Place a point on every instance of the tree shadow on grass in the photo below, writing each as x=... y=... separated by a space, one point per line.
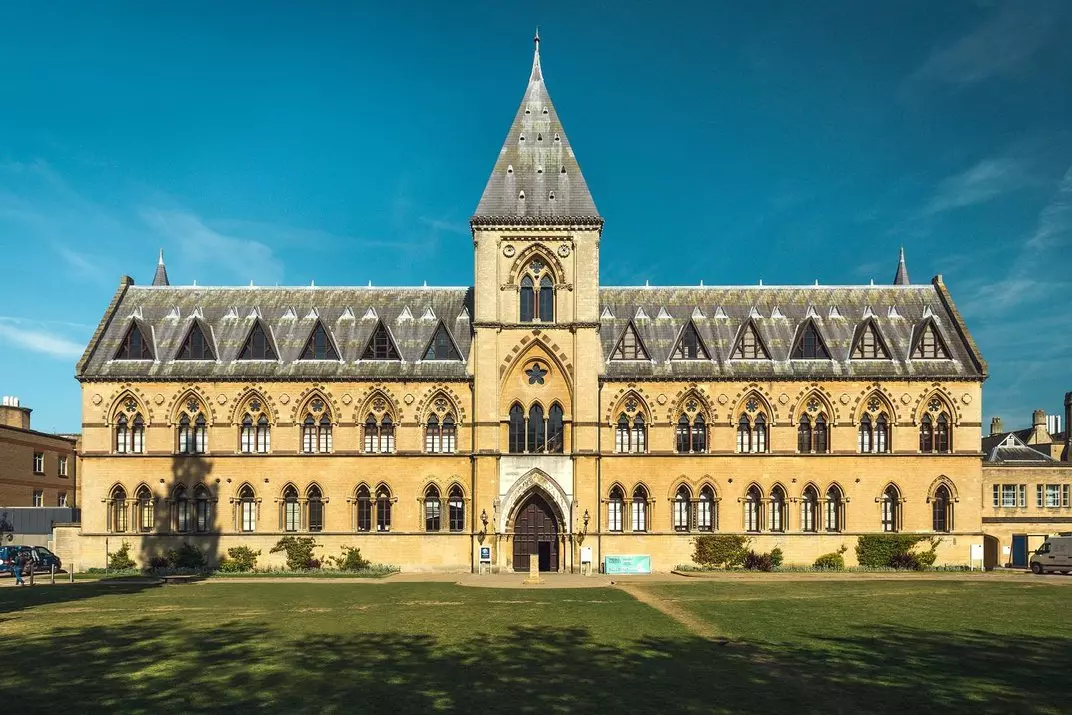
x=19 y=598
x=163 y=665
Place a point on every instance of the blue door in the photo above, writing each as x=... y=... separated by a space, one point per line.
x=1019 y=551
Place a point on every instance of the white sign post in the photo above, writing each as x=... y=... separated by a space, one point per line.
x=586 y=560
x=976 y=555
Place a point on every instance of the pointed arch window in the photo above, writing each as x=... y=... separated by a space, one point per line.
x=537 y=293
x=810 y=345
x=690 y=346
x=705 y=510
x=517 y=429
x=257 y=345
x=433 y=435
x=820 y=435
x=118 y=510
x=380 y=346
x=192 y=434
x=536 y=429
x=615 y=507
x=195 y=346
x=942 y=510
x=752 y=434
x=682 y=508
x=314 y=508
x=753 y=509
x=809 y=510
x=555 y=436
x=778 y=512
x=134 y=345
x=247 y=509
x=316 y=434
x=363 y=504
x=684 y=434
x=834 y=518
x=804 y=435
x=146 y=506
x=432 y=509
x=891 y=509
x=865 y=435
x=181 y=504
x=456 y=508
x=691 y=436
x=202 y=510
x=137 y=435
x=630 y=347
x=527 y=300
x=640 y=509
x=882 y=434
x=941 y=434
x=291 y=510
x=383 y=509
x=926 y=434
x=379 y=435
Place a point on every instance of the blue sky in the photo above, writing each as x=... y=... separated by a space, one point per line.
x=343 y=143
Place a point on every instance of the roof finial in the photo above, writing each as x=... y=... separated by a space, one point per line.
x=161 y=279
x=901 y=277
x=537 y=74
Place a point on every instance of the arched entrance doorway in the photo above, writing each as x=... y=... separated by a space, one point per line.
x=535 y=534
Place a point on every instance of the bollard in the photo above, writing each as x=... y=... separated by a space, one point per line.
x=31 y=574
x=52 y=574
x=70 y=573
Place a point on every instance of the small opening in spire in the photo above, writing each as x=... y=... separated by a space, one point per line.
x=539 y=169
x=522 y=138
x=557 y=138
x=510 y=169
x=545 y=110
x=563 y=170
x=551 y=196
x=521 y=195
x=539 y=137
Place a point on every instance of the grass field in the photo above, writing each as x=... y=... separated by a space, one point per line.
x=847 y=646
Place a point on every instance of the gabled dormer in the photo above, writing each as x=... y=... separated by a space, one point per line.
x=442 y=345
x=196 y=345
x=258 y=345
x=809 y=344
x=929 y=343
x=749 y=345
x=690 y=346
x=630 y=346
x=319 y=345
x=869 y=343
x=135 y=345
x=381 y=346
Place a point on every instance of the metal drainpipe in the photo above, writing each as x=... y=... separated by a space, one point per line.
x=599 y=483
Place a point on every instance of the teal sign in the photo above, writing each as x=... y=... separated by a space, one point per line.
x=627 y=564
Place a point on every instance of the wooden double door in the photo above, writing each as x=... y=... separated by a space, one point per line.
x=535 y=535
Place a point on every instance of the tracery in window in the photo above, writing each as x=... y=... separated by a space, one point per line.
x=691 y=434
x=129 y=430
x=192 y=429
x=752 y=433
x=379 y=434
x=536 y=299
x=682 y=508
x=809 y=509
x=631 y=434
x=255 y=430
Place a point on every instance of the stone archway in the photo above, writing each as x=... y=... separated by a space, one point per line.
x=537 y=534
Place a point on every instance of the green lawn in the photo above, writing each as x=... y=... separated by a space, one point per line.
x=875 y=646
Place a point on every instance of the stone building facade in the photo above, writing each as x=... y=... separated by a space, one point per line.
x=36 y=468
x=1027 y=485
x=536 y=414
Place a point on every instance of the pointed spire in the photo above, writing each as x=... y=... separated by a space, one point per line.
x=901 y=279
x=161 y=279
x=536 y=175
x=537 y=73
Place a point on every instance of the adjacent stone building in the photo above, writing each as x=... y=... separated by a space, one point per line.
x=1027 y=485
x=537 y=413
x=36 y=468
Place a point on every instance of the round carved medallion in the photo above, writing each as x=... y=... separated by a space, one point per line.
x=966 y=399
x=783 y=398
x=221 y=398
x=284 y=398
x=97 y=399
x=722 y=399
x=159 y=399
x=906 y=398
x=845 y=398
x=661 y=399
x=346 y=399
x=509 y=251
x=408 y=399
x=563 y=250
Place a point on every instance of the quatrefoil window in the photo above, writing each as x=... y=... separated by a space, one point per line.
x=873 y=404
x=131 y=406
x=691 y=405
x=537 y=266
x=813 y=405
x=378 y=405
x=255 y=405
x=752 y=405
x=192 y=405
x=317 y=405
x=441 y=405
x=935 y=405
x=630 y=405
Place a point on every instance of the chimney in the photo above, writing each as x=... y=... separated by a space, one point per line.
x=12 y=414
x=1039 y=435
x=995 y=426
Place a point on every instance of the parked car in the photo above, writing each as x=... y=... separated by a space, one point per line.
x=1055 y=554
x=42 y=558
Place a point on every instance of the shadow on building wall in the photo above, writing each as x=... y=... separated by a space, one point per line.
x=180 y=490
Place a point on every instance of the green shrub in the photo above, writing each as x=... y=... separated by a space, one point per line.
x=758 y=562
x=906 y=561
x=239 y=560
x=879 y=550
x=928 y=557
x=120 y=560
x=186 y=556
x=299 y=551
x=776 y=557
x=713 y=550
x=351 y=560
x=830 y=562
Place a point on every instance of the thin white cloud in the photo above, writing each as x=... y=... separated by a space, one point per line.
x=1055 y=222
x=437 y=224
x=242 y=258
x=1003 y=42
x=986 y=180
x=77 y=261
x=20 y=334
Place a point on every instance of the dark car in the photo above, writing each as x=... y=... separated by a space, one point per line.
x=41 y=558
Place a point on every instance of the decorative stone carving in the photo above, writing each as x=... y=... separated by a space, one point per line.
x=509 y=251
x=722 y=399
x=159 y=399
x=906 y=398
x=97 y=399
x=284 y=398
x=564 y=250
x=966 y=399
x=845 y=399
x=661 y=399
x=347 y=399
x=783 y=398
x=408 y=399
x=221 y=398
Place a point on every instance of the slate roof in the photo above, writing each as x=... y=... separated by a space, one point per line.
x=537 y=162
x=1010 y=448
x=839 y=313
x=165 y=315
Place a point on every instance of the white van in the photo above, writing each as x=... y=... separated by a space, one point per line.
x=1055 y=554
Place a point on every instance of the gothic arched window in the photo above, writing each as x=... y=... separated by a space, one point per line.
x=146 y=509
x=614 y=509
x=555 y=434
x=777 y=509
x=820 y=435
x=182 y=509
x=202 y=510
x=291 y=510
x=456 y=507
x=809 y=510
x=379 y=436
x=640 y=509
x=383 y=509
x=835 y=504
x=314 y=509
x=941 y=435
x=882 y=434
x=517 y=429
x=364 y=509
x=699 y=435
x=682 y=504
x=865 y=435
x=942 y=507
x=247 y=507
x=705 y=510
x=537 y=429
x=528 y=300
x=684 y=431
x=891 y=509
x=547 y=300
x=753 y=509
x=804 y=435
x=432 y=509
x=926 y=434
x=119 y=510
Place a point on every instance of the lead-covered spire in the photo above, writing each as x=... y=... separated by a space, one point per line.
x=161 y=279
x=536 y=176
x=901 y=277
